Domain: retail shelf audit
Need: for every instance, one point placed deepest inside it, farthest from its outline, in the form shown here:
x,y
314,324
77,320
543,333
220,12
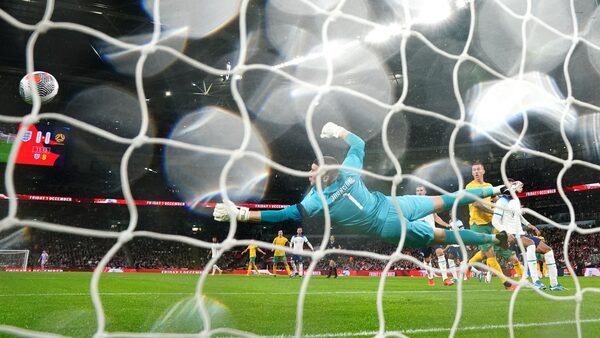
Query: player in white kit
x,y
453,253
213,252
507,217
297,243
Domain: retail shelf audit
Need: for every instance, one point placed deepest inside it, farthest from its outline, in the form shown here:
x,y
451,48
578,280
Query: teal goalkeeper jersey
x,y
350,203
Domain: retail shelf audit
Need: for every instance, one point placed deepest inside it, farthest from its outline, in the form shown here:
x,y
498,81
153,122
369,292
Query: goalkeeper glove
x,y
516,186
330,130
221,213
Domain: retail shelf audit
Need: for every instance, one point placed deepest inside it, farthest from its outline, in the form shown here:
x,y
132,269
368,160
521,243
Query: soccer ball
x,y
46,84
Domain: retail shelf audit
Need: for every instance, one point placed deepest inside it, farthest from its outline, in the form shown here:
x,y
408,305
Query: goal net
x,y
14,259
224,101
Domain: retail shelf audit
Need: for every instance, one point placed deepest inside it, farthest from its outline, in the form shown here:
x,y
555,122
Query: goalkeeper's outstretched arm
x,y
311,204
243,214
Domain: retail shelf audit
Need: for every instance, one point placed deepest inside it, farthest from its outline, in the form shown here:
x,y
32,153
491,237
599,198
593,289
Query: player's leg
x,y
493,265
255,267
300,265
478,257
469,237
446,201
332,269
516,264
253,264
287,266
542,247
426,257
540,265
420,234
416,207
544,269
275,261
441,259
511,256
453,255
490,255
294,266
531,259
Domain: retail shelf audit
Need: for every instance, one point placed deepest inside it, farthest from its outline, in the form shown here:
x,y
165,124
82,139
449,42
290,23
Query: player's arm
x,y
530,226
498,216
243,214
440,221
356,153
259,250
479,205
308,207
308,243
243,252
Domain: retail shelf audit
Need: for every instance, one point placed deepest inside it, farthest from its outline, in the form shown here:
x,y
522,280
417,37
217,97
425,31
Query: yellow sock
x,y
249,268
545,269
287,268
478,257
518,268
274,269
493,264
256,269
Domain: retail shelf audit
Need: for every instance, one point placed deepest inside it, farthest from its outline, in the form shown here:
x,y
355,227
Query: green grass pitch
x,y
344,307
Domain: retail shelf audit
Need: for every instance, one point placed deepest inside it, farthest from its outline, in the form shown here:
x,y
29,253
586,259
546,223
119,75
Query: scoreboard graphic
x,y
43,144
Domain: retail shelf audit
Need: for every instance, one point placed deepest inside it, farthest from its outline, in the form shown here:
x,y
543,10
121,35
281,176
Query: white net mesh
x,y
511,56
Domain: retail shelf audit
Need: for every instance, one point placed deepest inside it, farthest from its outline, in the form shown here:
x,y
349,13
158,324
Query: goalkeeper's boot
x,y
448,282
558,287
502,236
539,285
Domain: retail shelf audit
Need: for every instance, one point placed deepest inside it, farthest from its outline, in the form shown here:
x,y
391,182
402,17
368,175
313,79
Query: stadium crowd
x,y
77,252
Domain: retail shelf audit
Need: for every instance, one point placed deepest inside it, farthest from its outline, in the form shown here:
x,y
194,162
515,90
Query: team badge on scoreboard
x,y
60,137
27,136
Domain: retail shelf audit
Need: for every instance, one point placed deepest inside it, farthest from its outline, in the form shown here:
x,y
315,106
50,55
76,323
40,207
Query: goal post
x,y
11,259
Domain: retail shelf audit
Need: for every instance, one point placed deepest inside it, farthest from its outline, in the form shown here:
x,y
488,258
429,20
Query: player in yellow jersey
x,y
279,255
480,220
252,257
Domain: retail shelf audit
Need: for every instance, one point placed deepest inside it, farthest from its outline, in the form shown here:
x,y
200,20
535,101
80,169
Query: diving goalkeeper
x,y
352,205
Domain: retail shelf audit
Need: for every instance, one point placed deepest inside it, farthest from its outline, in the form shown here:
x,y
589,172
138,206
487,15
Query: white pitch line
x,y
443,329
234,293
